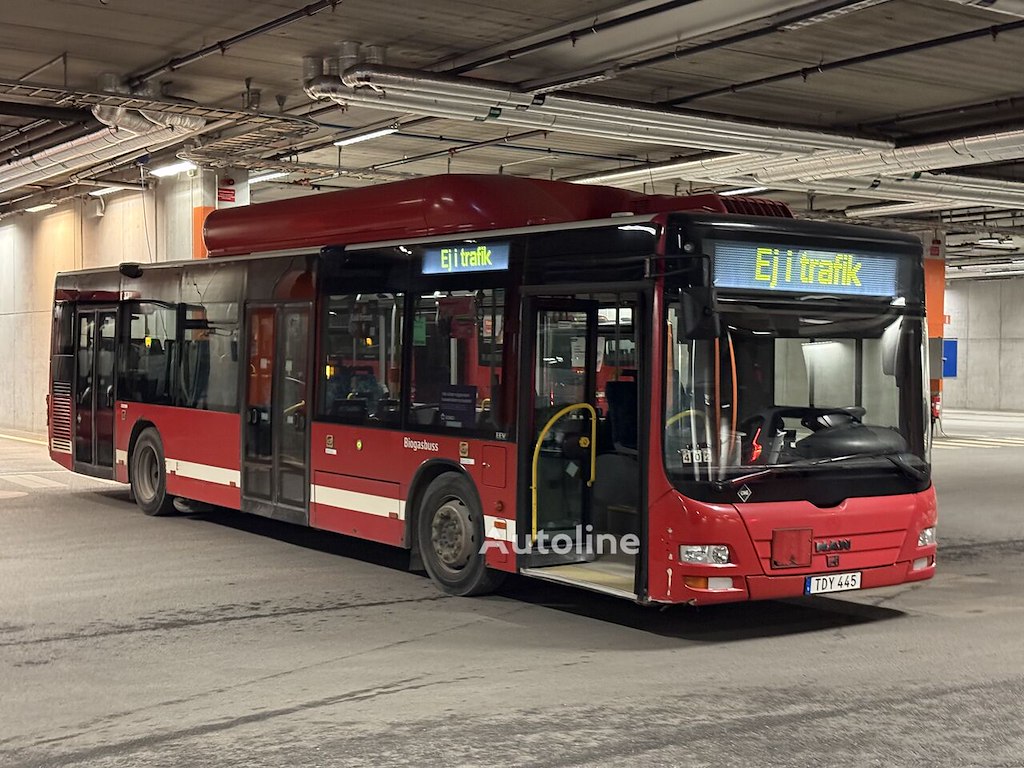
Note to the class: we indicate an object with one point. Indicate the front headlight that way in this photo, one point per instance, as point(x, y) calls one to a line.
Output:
point(926, 537)
point(704, 554)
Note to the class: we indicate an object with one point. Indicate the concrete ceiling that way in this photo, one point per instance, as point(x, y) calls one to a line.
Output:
point(902, 72)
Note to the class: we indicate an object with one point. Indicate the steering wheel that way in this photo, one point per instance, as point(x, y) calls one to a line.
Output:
point(676, 418)
point(828, 418)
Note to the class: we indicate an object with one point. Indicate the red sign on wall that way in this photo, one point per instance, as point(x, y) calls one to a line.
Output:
point(225, 195)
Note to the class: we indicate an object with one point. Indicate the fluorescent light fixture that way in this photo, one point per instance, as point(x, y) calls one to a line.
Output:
point(269, 175)
point(366, 136)
point(173, 169)
point(41, 207)
point(101, 191)
point(743, 191)
point(996, 242)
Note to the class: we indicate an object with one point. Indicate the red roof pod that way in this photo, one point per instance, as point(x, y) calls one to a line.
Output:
point(433, 206)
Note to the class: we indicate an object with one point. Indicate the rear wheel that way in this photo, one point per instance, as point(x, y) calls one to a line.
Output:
point(450, 534)
point(149, 474)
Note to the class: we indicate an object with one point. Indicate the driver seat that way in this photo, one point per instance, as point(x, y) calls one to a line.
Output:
point(622, 415)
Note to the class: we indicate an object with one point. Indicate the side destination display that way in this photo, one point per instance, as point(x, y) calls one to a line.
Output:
point(466, 257)
point(768, 266)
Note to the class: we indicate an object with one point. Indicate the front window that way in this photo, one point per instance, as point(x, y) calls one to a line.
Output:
point(791, 393)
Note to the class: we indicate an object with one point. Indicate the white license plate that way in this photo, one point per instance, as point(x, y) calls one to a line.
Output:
point(832, 582)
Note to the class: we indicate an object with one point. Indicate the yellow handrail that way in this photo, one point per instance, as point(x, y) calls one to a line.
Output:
point(540, 441)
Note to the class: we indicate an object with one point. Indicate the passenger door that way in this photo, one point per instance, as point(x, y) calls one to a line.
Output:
point(275, 442)
point(559, 418)
point(95, 353)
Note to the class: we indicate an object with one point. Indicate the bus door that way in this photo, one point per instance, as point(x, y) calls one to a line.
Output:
point(560, 420)
point(95, 353)
point(275, 440)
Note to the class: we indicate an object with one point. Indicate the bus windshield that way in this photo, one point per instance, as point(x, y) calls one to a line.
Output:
point(788, 387)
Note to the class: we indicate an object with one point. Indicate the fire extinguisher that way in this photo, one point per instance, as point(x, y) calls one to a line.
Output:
point(936, 406)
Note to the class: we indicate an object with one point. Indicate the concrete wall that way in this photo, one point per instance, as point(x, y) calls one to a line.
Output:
point(987, 319)
point(34, 247)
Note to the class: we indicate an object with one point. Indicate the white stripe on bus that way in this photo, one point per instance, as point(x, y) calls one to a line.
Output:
point(369, 503)
point(205, 472)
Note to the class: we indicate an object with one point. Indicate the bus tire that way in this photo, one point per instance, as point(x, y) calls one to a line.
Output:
point(450, 534)
point(149, 474)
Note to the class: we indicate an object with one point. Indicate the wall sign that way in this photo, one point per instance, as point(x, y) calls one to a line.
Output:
point(768, 266)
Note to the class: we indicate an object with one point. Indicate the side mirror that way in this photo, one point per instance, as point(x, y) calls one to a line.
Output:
point(892, 340)
point(697, 316)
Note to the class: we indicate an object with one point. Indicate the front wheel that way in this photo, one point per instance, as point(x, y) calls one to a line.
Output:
point(149, 474)
point(450, 535)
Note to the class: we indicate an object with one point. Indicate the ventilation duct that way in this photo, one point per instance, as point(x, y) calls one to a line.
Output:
point(433, 95)
point(128, 131)
point(76, 155)
point(969, 150)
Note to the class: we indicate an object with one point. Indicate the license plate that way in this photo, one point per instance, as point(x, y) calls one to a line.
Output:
point(832, 582)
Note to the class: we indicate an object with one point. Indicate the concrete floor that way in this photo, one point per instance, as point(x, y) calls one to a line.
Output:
point(227, 640)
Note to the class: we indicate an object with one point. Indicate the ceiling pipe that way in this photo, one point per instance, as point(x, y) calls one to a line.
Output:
point(76, 155)
point(37, 132)
point(937, 189)
point(14, 150)
point(38, 112)
point(805, 72)
point(120, 118)
point(786, 21)
point(968, 150)
point(222, 46)
point(689, 168)
point(900, 209)
point(686, 28)
point(444, 96)
point(128, 131)
point(771, 170)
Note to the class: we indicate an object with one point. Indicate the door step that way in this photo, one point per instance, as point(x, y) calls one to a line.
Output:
point(592, 576)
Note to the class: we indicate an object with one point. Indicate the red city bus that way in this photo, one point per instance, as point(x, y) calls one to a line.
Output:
point(670, 399)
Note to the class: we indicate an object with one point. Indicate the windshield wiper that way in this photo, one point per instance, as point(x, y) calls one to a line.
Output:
point(897, 459)
point(908, 469)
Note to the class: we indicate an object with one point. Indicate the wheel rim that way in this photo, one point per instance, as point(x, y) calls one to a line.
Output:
point(451, 535)
point(147, 473)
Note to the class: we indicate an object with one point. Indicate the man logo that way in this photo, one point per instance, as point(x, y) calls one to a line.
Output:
point(832, 545)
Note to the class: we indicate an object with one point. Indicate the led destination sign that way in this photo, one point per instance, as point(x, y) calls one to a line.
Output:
point(466, 257)
point(766, 266)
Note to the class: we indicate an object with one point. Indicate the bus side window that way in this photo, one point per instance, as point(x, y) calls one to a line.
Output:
point(208, 371)
point(457, 362)
point(149, 355)
point(362, 353)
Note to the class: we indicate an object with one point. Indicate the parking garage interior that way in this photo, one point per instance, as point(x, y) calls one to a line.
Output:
point(212, 637)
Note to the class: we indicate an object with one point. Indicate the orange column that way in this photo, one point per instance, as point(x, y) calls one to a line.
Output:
point(221, 188)
point(199, 214)
point(935, 295)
